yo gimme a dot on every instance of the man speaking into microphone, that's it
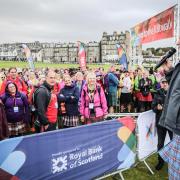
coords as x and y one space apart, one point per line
170 117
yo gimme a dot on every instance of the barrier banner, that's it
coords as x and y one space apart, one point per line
158 27
147 134
78 153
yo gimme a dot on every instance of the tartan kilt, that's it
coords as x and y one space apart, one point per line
16 128
70 121
171 154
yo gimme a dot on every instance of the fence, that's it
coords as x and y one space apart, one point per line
84 152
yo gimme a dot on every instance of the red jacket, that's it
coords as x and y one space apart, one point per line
22 87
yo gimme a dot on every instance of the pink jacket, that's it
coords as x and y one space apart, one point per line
100 105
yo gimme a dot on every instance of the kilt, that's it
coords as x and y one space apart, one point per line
171 154
17 128
70 121
112 99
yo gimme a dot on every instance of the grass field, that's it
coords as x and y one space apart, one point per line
7 64
140 172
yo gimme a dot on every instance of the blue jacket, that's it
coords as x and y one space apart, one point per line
70 95
113 83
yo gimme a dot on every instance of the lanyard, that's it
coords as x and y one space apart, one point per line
91 95
14 101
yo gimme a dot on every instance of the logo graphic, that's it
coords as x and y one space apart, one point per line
59 164
149 131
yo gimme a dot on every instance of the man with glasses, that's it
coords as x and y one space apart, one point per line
46 105
13 77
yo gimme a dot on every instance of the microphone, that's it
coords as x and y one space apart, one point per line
163 60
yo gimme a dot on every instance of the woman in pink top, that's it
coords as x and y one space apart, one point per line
93 106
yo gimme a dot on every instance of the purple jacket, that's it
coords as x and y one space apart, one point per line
16 114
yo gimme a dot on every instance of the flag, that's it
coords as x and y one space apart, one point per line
122 56
82 55
28 55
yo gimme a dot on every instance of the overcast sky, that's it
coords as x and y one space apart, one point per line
72 20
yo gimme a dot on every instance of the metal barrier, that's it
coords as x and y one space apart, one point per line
135 115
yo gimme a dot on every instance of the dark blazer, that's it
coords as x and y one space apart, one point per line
170 117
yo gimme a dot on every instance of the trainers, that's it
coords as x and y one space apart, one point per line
159 166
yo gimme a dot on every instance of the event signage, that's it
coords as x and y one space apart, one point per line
158 27
147 134
83 152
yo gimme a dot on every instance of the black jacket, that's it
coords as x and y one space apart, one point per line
42 98
145 89
159 98
170 117
71 104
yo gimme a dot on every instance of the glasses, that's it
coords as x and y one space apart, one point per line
11 87
164 82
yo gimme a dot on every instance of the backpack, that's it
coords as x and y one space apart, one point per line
35 94
106 82
37 124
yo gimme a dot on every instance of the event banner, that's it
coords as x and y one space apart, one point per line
158 27
83 152
147 134
82 55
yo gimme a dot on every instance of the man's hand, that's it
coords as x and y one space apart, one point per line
159 107
46 127
1 101
82 119
167 66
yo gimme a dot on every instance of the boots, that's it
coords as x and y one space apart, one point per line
160 164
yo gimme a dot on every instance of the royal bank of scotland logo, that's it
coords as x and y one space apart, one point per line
59 164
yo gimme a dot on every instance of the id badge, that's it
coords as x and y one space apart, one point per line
91 105
56 105
33 108
16 109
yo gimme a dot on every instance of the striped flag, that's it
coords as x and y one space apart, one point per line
122 56
28 55
82 55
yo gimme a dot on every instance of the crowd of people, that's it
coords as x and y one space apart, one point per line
63 98
49 99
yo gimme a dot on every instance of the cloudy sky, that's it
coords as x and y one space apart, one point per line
72 20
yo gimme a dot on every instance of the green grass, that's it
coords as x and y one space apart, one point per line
7 64
140 172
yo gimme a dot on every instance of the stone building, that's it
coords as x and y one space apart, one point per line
61 53
93 52
108 46
73 53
